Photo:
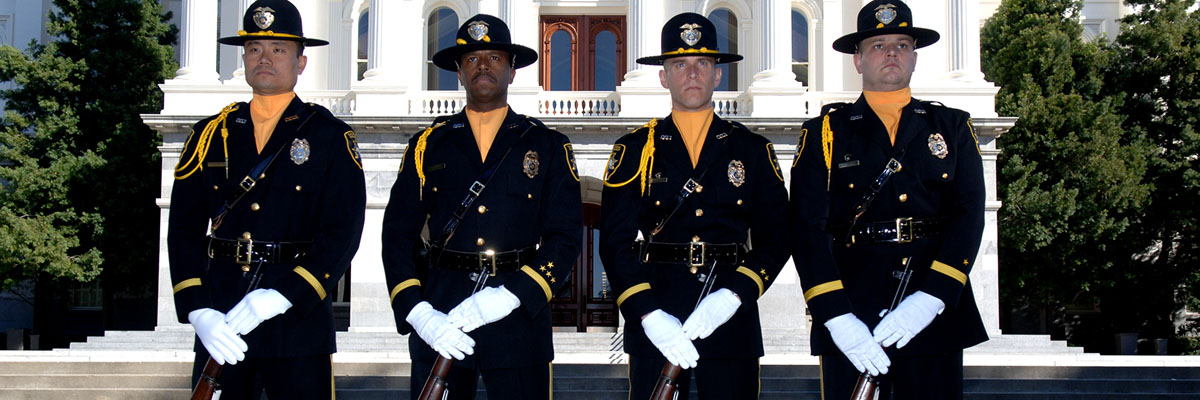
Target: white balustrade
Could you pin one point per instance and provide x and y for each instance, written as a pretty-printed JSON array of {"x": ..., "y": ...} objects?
[
  {"x": 578, "y": 104},
  {"x": 339, "y": 102},
  {"x": 731, "y": 104}
]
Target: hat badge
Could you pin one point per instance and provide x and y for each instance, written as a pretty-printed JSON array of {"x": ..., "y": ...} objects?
[
  {"x": 885, "y": 13},
  {"x": 690, "y": 34},
  {"x": 264, "y": 17},
  {"x": 478, "y": 31}
]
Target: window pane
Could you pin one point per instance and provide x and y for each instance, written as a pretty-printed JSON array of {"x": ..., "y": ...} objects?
[
  {"x": 364, "y": 24},
  {"x": 560, "y": 61},
  {"x": 443, "y": 25},
  {"x": 601, "y": 289},
  {"x": 606, "y": 62},
  {"x": 800, "y": 47},
  {"x": 726, "y": 25}
]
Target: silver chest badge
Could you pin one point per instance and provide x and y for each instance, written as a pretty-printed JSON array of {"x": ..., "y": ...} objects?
[
  {"x": 737, "y": 173},
  {"x": 690, "y": 34},
  {"x": 531, "y": 164},
  {"x": 885, "y": 13},
  {"x": 300, "y": 151},
  {"x": 937, "y": 146},
  {"x": 478, "y": 30},
  {"x": 264, "y": 17}
]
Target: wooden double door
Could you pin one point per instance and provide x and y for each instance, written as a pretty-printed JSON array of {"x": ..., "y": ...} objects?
[
  {"x": 582, "y": 52},
  {"x": 587, "y": 299}
]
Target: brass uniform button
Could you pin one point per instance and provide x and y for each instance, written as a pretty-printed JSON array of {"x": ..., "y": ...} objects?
[
  {"x": 254, "y": 207},
  {"x": 262, "y": 175},
  {"x": 246, "y": 235},
  {"x": 903, "y": 197},
  {"x": 215, "y": 187},
  {"x": 529, "y": 196},
  {"x": 699, "y": 188},
  {"x": 298, "y": 188},
  {"x": 435, "y": 189},
  {"x": 479, "y": 242},
  {"x": 246, "y": 268},
  {"x": 482, "y": 209},
  {"x": 696, "y": 239},
  {"x": 657, "y": 203},
  {"x": 699, "y": 212},
  {"x": 945, "y": 175},
  {"x": 852, "y": 186},
  {"x": 739, "y": 202}
]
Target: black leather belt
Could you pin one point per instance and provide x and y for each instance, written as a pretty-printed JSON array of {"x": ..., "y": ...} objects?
[
  {"x": 248, "y": 251},
  {"x": 505, "y": 261},
  {"x": 694, "y": 254},
  {"x": 899, "y": 230}
]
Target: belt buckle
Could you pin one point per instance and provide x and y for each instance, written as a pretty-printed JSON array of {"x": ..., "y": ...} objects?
[
  {"x": 901, "y": 235},
  {"x": 244, "y": 250},
  {"x": 894, "y": 166},
  {"x": 476, "y": 188},
  {"x": 691, "y": 186},
  {"x": 247, "y": 183},
  {"x": 486, "y": 258},
  {"x": 693, "y": 261}
]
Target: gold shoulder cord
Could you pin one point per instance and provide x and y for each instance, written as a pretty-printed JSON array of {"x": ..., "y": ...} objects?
[
  {"x": 419, "y": 152},
  {"x": 646, "y": 163},
  {"x": 827, "y": 148},
  {"x": 203, "y": 142}
]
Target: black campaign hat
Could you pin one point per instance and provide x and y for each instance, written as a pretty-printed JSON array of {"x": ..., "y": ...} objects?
[
  {"x": 689, "y": 34},
  {"x": 483, "y": 32},
  {"x": 885, "y": 17},
  {"x": 271, "y": 19}
]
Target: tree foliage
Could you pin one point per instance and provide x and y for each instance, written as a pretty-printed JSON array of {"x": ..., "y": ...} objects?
[
  {"x": 1070, "y": 178},
  {"x": 79, "y": 170}
]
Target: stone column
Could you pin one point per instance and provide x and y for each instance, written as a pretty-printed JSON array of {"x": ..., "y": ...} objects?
[
  {"x": 963, "y": 41},
  {"x": 198, "y": 42},
  {"x": 774, "y": 92},
  {"x": 641, "y": 92},
  {"x": 392, "y": 70},
  {"x": 522, "y": 17}
]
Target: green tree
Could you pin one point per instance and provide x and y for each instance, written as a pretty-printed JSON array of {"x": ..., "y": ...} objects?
[
  {"x": 1157, "y": 71},
  {"x": 80, "y": 171},
  {"x": 1070, "y": 179}
]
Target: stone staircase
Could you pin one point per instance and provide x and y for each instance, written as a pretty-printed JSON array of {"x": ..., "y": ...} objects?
[{"x": 157, "y": 365}]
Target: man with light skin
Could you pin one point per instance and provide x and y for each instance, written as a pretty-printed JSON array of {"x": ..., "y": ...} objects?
[
  {"x": 683, "y": 198},
  {"x": 267, "y": 210},
  {"x": 887, "y": 194},
  {"x": 520, "y": 229}
]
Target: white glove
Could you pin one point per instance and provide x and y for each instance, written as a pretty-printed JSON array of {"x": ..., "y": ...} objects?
[
  {"x": 222, "y": 343},
  {"x": 258, "y": 306},
  {"x": 484, "y": 307},
  {"x": 854, "y": 340},
  {"x": 713, "y": 311},
  {"x": 432, "y": 327},
  {"x": 908, "y": 319},
  {"x": 667, "y": 335}
]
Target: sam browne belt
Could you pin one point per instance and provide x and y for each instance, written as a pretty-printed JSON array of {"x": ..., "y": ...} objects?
[
  {"x": 899, "y": 230},
  {"x": 245, "y": 251},
  {"x": 693, "y": 254},
  {"x": 505, "y": 261}
]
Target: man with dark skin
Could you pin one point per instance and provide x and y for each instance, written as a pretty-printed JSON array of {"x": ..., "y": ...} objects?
[
  {"x": 499, "y": 196},
  {"x": 278, "y": 184},
  {"x": 888, "y": 194}
]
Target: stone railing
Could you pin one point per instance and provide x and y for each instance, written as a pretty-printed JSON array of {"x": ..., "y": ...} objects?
[
  {"x": 731, "y": 104},
  {"x": 340, "y": 102},
  {"x": 437, "y": 102},
  {"x": 579, "y": 104}
]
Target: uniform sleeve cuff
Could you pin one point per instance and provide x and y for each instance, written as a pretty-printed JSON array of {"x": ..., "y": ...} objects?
[
  {"x": 532, "y": 289},
  {"x": 636, "y": 301},
  {"x": 300, "y": 290},
  {"x": 827, "y": 300},
  {"x": 945, "y": 282}
]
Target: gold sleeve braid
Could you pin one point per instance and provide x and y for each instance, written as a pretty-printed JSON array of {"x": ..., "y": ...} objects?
[
  {"x": 646, "y": 162},
  {"x": 203, "y": 142}
]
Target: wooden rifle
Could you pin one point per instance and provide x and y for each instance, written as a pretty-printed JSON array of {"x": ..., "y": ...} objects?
[
  {"x": 435, "y": 386},
  {"x": 668, "y": 381},
  {"x": 867, "y": 386},
  {"x": 207, "y": 386}
]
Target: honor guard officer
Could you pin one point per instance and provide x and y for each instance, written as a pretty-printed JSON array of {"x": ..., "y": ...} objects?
[
  {"x": 693, "y": 200},
  {"x": 266, "y": 213},
  {"x": 499, "y": 195},
  {"x": 887, "y": 202}
]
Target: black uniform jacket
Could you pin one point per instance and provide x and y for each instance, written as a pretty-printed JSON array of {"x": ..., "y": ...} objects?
[
  {"x": 319, "y": 201},
  {"x": 533, "y": 198},
  {"x": 941, "y": 179},
  {"x": 742, "y": 201}
]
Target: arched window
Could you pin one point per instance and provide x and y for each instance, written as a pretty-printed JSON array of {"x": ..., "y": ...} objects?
[
  {"x": 443, "y": 25},
  {"x": 363, "y": 54},
  {"x": 800, "y": 47},
  {"x": 727, "y": 39},
  {"x": 606, "y": 62},
  {"x": 560, "y": 60}
]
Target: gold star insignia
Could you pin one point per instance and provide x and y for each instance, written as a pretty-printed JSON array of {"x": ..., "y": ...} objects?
[
  {"x": 763, "y": 271},
  {"x": 543, "y": 268},
  {"x": 551, "y": 280},
  {"x": 766, "y": 278},
  {"x": 326, "y": 276},
  {"x": 551, "y": 264},
  {"x": 549, "y": 274}
]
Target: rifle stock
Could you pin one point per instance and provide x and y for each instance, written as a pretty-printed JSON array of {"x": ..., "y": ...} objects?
[
  {"x": 207, "y": 386},
  {"x": 866, "y": 388},
  {"x": 435, "y": 386},
  {"x": 667, "y": 383}
]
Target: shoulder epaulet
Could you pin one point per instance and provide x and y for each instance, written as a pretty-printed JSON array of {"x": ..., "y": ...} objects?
[
  {"x": 536, "y": 122},
  {"x": 322, "y": 111},
  {"x": 932, "y": 103},
  {"x": 441, "y": 119},
  {"x": 645, "y": 162},
  {"x": 831, "y": 107},
  {"x": 739, "y": 125},
  {"x": 186, "y": 168}
]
